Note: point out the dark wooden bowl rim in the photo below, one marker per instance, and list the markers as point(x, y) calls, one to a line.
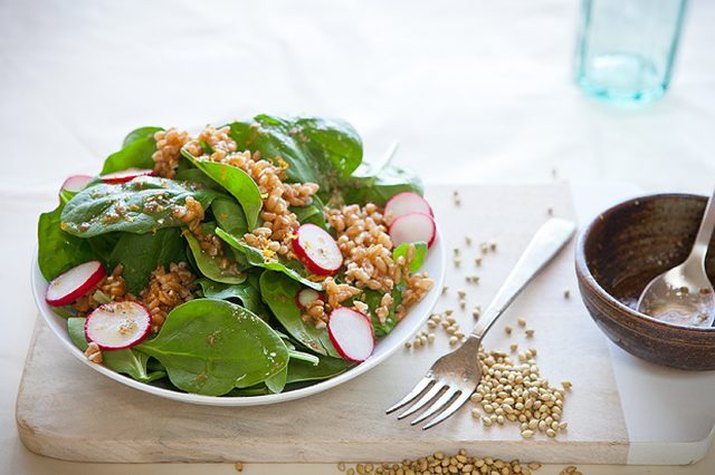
point(588, 279)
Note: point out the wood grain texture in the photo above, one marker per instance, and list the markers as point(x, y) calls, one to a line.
point(68, 412)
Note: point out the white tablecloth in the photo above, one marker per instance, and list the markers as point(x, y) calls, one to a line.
point(475, 91)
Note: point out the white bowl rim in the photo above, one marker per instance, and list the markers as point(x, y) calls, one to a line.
point(436, 257)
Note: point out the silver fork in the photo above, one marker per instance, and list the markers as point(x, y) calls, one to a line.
point(454, 377)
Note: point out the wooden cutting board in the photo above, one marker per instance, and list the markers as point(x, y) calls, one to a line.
point(67, 411)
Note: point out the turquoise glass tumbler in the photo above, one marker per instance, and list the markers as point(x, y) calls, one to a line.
point(626, 48)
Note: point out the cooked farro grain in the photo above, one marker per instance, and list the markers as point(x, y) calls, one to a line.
point(168, 151)
point(111, 286)
point(166, 290)
point(277, 195)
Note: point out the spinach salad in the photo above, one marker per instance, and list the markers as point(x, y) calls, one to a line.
point(253, 258)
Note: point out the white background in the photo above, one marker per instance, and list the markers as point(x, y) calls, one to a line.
point(475, 90)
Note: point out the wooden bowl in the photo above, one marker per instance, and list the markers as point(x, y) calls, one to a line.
point(620, 252)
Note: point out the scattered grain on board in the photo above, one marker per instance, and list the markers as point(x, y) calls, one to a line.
point(441, 463)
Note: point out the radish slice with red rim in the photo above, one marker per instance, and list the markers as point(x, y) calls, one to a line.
point(351, 334)
point(305, 297)
point(413, 227)
point(73, 284)
point(118, 325)
point(405, 203)
point(76, 183)
point(126, 175)
point(317, 249)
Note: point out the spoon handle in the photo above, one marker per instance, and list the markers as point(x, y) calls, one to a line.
point(707, 225)
point(546, 243)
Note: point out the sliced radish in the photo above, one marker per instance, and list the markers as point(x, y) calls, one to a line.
point(126, 175)
point(305, 297)
point(351, 334)
point(117, 325)
point(413, 227)
point(76, 183)
point(405, 203)
point(317, 249)
point(76, 282)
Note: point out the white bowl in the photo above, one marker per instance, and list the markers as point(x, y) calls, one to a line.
point(434, 265)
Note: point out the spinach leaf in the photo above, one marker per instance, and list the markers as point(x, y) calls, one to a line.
point(256, 259)
point(417, 260)
point(140, 254)
point(138, 206)
point(277, 382)
point(299, 371)
point(310, 214)
point(372, 298)
point(137, 150)
point(126, 361)
point(230, 216)
point(316, 150)
point(57, 250)
point(279, 291)
point(209, 266)
point(140, 133)
point(378, 186)
point(211, 346)
point(237, 182)
point(249, 296)
point(194, 175)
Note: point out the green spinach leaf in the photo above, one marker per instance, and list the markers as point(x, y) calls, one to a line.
point(372, 298)
point(327, 367)
point(237, 182)
point(279, 292)
point(277, 382)
point(255, 258)
point(316, 150)
point(378, 186)
point(139, 206)
point(211, 346)
point(249, 296)
point(57, 250)
point(126, 361)
point(417, 260)
point(140, 254)
point(139, 134)
point(136, 152)
point(209, 266)
point(230, 216)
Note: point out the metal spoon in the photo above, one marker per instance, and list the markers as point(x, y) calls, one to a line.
point(683, 295)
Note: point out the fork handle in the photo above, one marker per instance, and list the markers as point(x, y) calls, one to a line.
point(546, 243)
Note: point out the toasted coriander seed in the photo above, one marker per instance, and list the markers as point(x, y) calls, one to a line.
point(493, 246)
point(351, 471)
point(448, 312)
point(529, 332)
point(461, 294)
point(453, 340)
point(462, 305)
point(534, 466)
point(513, 347)
point(566, 384)
point(475, 413)
point(508, 329)
point(239, 466)
point(457, 261)
point(468, 240)
point(444, 289)
point(521, 322)
point(477, 261)
point(527, 434)
point(456, 251)
point(484, 247)
point(408, 345)
point(567, 294)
